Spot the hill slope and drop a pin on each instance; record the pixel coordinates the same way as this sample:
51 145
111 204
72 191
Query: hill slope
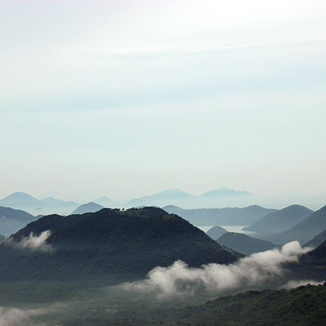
243 243
280 221
304 231
108 243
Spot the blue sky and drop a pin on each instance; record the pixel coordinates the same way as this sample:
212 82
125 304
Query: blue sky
127 98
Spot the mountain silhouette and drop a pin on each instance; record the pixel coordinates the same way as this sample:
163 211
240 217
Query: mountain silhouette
244 244
223 192
105 202
28 203
109 243
11 220
280 221
87 208
215 232
221 216
305 230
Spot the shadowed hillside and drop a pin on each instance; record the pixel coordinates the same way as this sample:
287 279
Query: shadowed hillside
110 243
244 244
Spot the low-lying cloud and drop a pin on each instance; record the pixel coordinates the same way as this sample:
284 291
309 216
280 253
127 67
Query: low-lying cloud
249 272
15 316
32 242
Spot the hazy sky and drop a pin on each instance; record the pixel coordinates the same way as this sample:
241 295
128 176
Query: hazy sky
127 98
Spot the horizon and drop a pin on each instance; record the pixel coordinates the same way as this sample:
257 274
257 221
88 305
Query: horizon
197 202
126 98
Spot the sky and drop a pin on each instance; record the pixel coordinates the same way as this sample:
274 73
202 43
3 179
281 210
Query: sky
128 98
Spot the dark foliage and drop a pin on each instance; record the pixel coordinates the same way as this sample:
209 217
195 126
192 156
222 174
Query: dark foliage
109 243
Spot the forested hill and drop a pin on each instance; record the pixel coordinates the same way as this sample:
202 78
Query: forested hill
108 243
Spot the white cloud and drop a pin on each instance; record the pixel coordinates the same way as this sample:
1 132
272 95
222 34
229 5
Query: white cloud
32 242
15 316
249 272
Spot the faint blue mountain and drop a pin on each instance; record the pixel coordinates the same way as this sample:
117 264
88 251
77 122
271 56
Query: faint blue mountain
20 199
11 220
223 192
220 216
280 221
215 232
87 208
105 201
169 195
49 205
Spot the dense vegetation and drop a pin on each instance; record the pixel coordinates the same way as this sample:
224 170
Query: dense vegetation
305 305
114 244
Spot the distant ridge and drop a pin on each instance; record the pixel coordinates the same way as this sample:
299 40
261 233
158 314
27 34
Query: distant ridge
215 232
221 216
11 220
28 203
87 208
20 198
244 244
167 195
305 230
224 192
105 201
280 221
181 198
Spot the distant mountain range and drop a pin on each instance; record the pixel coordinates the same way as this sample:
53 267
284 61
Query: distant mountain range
109 243
28 203
221 216
280 221
303 231
49 205
213 198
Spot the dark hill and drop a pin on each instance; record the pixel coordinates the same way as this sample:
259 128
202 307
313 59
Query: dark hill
12 220
301 306
244 244
304 231
280 221
221 216
109 243
215 232
87 208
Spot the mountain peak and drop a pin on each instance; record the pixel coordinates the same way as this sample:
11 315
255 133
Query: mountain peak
19 196
225 192
171 194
